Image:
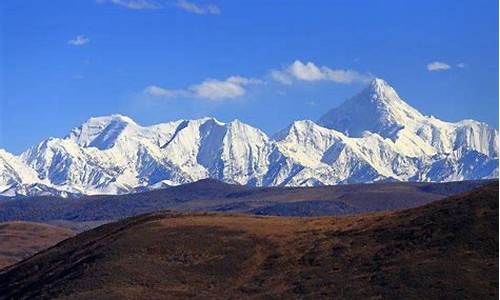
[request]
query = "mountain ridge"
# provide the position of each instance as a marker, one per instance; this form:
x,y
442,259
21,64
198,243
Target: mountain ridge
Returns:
x,y
373,136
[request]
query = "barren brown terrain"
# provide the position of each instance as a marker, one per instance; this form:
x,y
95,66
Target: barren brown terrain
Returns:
x,y
444,250
20,240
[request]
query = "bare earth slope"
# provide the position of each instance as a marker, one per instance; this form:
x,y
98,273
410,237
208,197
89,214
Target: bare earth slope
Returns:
x,y
447,249
19,240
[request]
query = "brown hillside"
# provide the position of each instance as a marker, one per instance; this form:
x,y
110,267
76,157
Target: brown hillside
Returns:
x,y
444,250
19,240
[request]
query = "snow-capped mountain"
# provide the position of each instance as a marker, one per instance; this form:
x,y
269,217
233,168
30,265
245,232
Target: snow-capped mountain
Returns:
x,y
374,136
14,172
379,109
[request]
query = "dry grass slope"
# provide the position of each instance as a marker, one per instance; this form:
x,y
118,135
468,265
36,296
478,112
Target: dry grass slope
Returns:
x,y
20,240
447,249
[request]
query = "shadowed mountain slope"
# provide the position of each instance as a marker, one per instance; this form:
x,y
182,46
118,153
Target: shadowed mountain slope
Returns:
x,y
213,195
447,249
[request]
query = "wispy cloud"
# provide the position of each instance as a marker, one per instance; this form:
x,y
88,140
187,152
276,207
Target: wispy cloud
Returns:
x,y
312,103
299,71
280,76
210,89
133,4
79,40
438,66
158,91
191,7
198,9
461,65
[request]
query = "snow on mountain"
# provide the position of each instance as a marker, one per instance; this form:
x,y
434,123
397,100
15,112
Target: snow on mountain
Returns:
x,y
105,155
14,172
462,165
374,136
342,159
115,155
379,109
234,152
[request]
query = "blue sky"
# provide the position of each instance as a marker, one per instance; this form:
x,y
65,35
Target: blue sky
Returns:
x,y
65,61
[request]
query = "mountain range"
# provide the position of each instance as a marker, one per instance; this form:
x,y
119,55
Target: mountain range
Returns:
x,y
373,136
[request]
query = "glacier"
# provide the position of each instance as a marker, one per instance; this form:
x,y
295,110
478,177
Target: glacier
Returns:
x,y
373,136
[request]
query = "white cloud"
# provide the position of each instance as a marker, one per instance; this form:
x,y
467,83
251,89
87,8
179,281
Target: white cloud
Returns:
x,y
461,65
157,91
281,77
243,80
132,4
79,40
311,72
346,76
308,71
438,66
236,86
210,89
206,9
217,89
194,8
